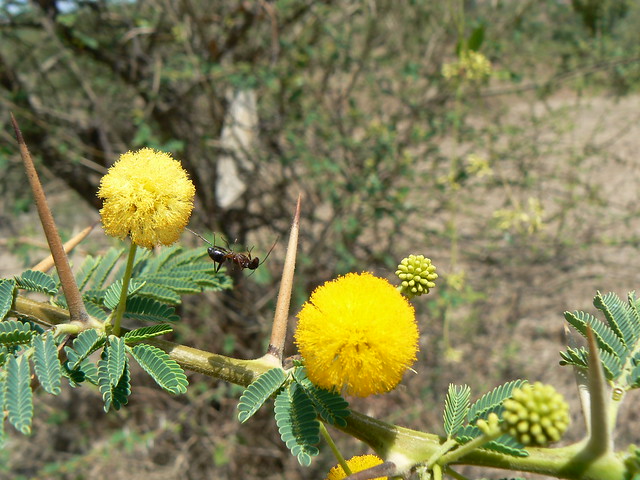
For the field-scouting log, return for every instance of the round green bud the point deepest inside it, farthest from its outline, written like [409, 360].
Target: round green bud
[417, 275]
[535, 415]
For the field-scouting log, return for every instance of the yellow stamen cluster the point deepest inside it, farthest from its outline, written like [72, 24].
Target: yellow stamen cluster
[357, 334]
[417, 275]
[147, 196]
[355, 464]
[535, 415]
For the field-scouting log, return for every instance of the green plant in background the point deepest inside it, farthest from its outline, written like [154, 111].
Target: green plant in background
[357, 335]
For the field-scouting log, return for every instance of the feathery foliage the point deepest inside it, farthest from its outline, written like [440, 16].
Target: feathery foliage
[491, 402]
[46, 363]
[13, 332]
[115, 359]
[164, 370]
[37, 281]
[331, 407]
[296, 419]
[456, 406]
[111, 296]
[113, 394]
[617, 339]
[143, 333]
[150, 310]
[259, 391]
[7, 290]
[505, 444]
[84, 345]
[460, 417]
[19, 397]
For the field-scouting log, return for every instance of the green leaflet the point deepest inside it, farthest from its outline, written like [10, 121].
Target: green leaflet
[13, 332]
[331, 407]
[617, 339]
[112, 294]
[19, 398]
[46, 363]
[3, 396]
[84, 345]
[179, 285]
[161, 293]
[492, 401]
[37, 281]
[118, 394]
[164, 370]
[605, 336]
[150, 310]
[7, 290]
[116, 359]
[456, 406]
[504, 444]
[259, 391]
[88, 267]
[297, 423]
[103, 268]
[619, 316]
[143, 333]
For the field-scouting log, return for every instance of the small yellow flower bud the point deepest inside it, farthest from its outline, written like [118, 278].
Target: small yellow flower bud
[535, 415]
[417, 275]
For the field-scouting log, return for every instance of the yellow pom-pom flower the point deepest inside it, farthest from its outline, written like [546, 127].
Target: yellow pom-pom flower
[535, 415]
[355, 464]
[417, 275]
[357, 334]
[147, 195]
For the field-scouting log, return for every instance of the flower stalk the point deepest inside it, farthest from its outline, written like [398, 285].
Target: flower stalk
[126, 279]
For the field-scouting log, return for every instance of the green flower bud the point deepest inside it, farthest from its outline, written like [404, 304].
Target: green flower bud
[535, 415]
[417, 275]
[490, 426]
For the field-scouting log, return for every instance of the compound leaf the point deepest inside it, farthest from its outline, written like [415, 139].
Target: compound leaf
[504, 444]
[104, 266]
[259, 391]
[456, 406]
[605, 336]
[492, 401]
[13, 332]
[116, 395]
[46, 363]
[139, 334]
[112, 294]
[19, 397]
[577, 357]
[3, 396]
[162, 368]
[7, 290]
[177, 284]
[150, 310]
[37, 281]
[116, 359]
[84, 345]
[331, 407]
[619, 317]
[297, 423]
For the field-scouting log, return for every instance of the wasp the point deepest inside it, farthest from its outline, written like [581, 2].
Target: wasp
[219, 255]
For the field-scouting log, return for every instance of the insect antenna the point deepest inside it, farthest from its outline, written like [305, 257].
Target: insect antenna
[201, 237]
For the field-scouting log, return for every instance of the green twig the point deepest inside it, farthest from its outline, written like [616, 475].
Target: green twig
[122, 304]
[334, 449]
